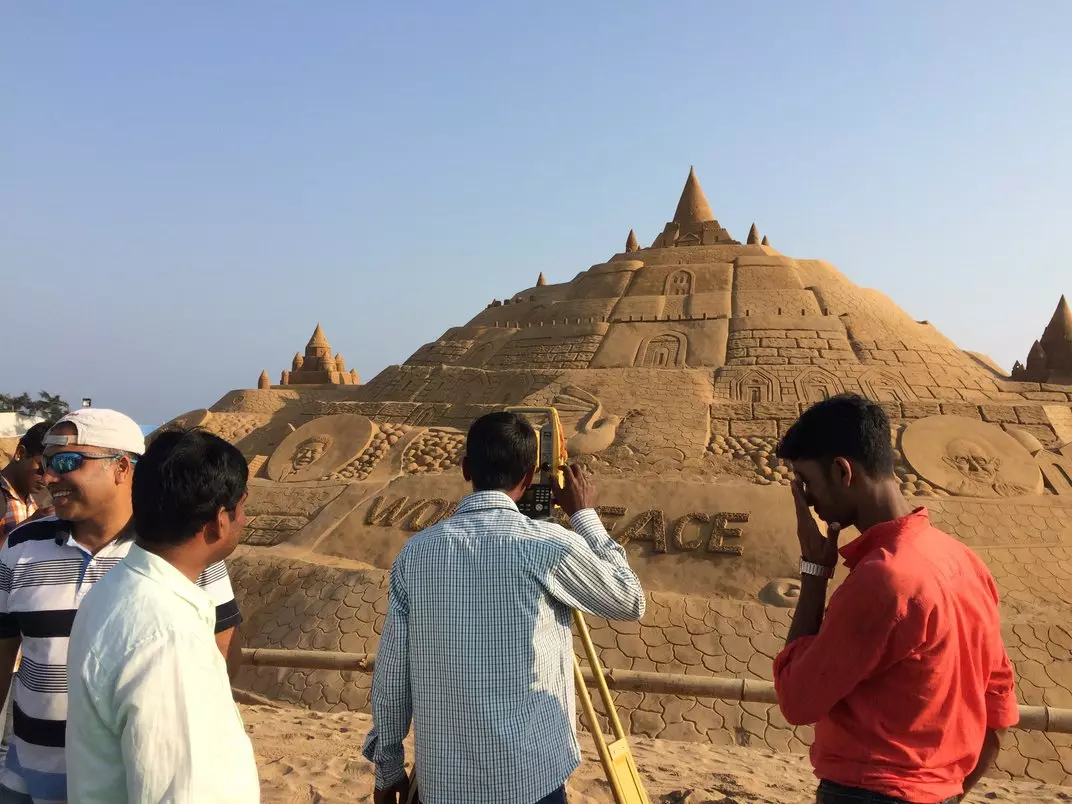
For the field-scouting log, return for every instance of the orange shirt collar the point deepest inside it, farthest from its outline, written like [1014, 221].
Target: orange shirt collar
[883, 533]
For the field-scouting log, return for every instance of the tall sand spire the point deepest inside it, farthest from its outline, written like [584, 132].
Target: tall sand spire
[693, 206]
[318, 339]
[1059, 330]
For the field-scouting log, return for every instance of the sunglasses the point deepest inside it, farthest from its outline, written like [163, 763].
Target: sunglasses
[62, 463]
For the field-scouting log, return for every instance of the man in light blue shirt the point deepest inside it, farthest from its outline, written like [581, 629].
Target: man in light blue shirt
[150, 717]
[477, 646]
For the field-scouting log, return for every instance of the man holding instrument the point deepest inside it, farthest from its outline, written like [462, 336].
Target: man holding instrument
[905, 676]
[477, 646]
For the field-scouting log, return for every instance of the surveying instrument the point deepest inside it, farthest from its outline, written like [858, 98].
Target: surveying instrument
[538, 502]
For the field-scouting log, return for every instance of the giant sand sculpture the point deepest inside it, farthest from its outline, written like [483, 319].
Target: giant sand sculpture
[676, 368]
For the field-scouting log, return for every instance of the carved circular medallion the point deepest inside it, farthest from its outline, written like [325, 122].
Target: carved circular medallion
[970, 458]
[320, 447]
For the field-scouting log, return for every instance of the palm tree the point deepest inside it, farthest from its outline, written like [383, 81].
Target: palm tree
[50, 406]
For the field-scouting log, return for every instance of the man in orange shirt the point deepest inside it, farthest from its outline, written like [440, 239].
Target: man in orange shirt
[905, 677]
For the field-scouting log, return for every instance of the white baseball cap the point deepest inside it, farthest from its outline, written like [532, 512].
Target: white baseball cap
[100, 427]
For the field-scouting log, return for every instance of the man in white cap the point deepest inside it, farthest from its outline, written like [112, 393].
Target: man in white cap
[46, 568]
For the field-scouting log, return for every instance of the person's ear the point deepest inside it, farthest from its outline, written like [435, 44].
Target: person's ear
[20, 454]
[465, 470]
[526, 481]
[124, 469]
[843, 472]
[218, 528]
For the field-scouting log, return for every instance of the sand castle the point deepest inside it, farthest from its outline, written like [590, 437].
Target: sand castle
[676, 368]
[317, 367]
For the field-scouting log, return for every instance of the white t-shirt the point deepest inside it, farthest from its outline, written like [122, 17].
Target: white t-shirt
[150, 716]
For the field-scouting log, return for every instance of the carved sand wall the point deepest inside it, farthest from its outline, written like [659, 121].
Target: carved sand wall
[675, 369]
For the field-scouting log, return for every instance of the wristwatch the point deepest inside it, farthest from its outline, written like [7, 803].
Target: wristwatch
[818, 570]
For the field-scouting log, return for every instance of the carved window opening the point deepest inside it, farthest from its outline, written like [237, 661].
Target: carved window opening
[756, 386]
[679, 283]
[756, 390]
[883, 387]
[662, 351]
[815, 385]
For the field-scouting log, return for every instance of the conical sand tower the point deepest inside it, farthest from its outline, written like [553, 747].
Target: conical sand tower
[1050, 357]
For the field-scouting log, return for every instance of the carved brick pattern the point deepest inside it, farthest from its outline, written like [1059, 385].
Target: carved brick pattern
[457, 385]
[296, 605]
[266, 531]
[435, 354]
[573, 352]
[776, 347]
[791, 381]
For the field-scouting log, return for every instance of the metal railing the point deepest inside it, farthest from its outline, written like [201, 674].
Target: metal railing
[1035, 718]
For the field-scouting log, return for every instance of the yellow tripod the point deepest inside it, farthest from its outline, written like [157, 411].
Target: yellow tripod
[616, 758]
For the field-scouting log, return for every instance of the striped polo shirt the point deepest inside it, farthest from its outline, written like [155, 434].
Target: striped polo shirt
[44, 574]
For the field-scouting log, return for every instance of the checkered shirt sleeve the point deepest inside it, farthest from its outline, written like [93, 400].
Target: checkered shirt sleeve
[592, 573]
[392, 700]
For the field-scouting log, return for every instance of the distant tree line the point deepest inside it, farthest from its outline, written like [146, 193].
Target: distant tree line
[50, 406]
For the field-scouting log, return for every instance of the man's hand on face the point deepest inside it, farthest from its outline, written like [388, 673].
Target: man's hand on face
[577, 492]
[395, 794]
[814, 546]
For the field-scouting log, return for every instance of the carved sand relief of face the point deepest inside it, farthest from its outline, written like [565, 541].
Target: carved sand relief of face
[310, 451]
[972, 461]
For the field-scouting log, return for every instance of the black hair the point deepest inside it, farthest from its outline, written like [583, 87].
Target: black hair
[844, 426]
[33, 440]
[500, 448]
[182, 481]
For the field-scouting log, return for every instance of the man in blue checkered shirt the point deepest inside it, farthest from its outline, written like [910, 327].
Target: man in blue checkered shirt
[477, 647]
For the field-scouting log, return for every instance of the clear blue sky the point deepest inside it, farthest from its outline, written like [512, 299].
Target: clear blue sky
[187, 188]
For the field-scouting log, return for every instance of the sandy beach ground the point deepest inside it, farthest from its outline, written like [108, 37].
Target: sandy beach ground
[307, 757]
